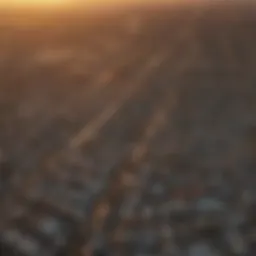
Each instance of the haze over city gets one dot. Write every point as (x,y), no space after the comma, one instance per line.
(130,132)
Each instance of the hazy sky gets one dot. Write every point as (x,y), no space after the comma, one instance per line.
(40,3)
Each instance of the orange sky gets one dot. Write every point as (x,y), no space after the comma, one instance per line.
(85,3)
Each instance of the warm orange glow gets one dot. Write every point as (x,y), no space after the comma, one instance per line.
(35,3)
(55,4)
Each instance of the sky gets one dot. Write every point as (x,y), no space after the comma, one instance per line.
(85,3)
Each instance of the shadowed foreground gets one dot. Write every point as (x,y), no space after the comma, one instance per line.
(132,136)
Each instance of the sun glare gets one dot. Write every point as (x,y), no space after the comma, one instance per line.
(59,4)
(35,3)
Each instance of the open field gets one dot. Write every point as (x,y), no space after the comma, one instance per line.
(129,134)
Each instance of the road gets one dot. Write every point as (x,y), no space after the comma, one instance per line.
(120,134)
